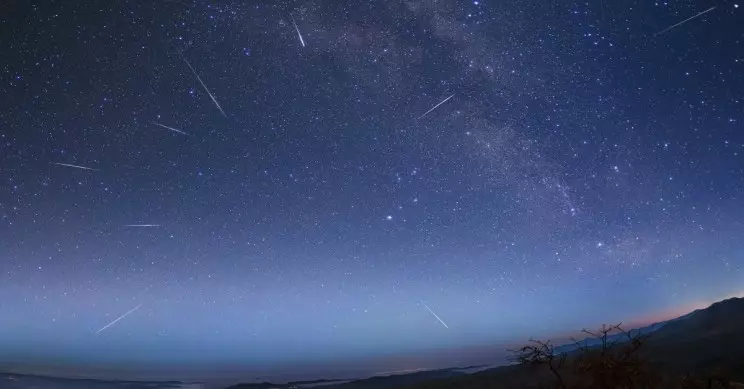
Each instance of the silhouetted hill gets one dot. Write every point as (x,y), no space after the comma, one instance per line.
(26,381)
(260,385)
(506,377)
(293,384)
(324,381)
(704,340)
(720,318)
(698,341)
(378,382)
(399,380)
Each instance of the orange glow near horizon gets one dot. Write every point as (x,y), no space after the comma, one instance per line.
(642,321)
(678,311)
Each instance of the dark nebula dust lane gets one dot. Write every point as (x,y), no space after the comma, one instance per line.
(279,186)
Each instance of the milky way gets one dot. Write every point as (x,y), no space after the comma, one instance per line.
(584,169)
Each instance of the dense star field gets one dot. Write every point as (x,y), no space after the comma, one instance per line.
(277,186)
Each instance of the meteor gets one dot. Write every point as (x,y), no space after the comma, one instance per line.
(302,41)
(169,128)
(142,225)
(119,318)
(685,21)
(204,86)
(435,107)
(75,166)
(435,315)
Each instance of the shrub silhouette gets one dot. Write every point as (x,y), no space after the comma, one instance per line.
(540,353)
(607,364)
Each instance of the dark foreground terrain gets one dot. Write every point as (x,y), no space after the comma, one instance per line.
(703,349)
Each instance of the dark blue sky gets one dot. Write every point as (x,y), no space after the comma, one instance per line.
(585,170)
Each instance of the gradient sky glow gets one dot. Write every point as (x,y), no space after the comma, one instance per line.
(585,171)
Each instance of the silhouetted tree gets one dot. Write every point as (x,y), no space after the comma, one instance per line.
(539,353)
(614,363)
(607,363)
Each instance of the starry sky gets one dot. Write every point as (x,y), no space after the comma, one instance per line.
(253,187)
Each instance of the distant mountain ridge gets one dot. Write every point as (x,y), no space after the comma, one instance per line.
(591,342)
(720,317)
(723,317)
(292,384)
(714,316)
(380,381)
(703,340)
(25,381)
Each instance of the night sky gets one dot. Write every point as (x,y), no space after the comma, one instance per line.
(264,187)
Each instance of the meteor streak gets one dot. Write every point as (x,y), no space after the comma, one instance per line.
(302,41)
(435,107)
(685,21)
(75,166)
(435,315)
(169,128)
(204,86)
(119,318)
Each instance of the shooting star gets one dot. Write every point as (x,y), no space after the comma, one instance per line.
(435,315)
(119,318)
(684,21)
(204,86)
(169,128)
(75,166)
(142,225)
(435,107)
(302,41)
